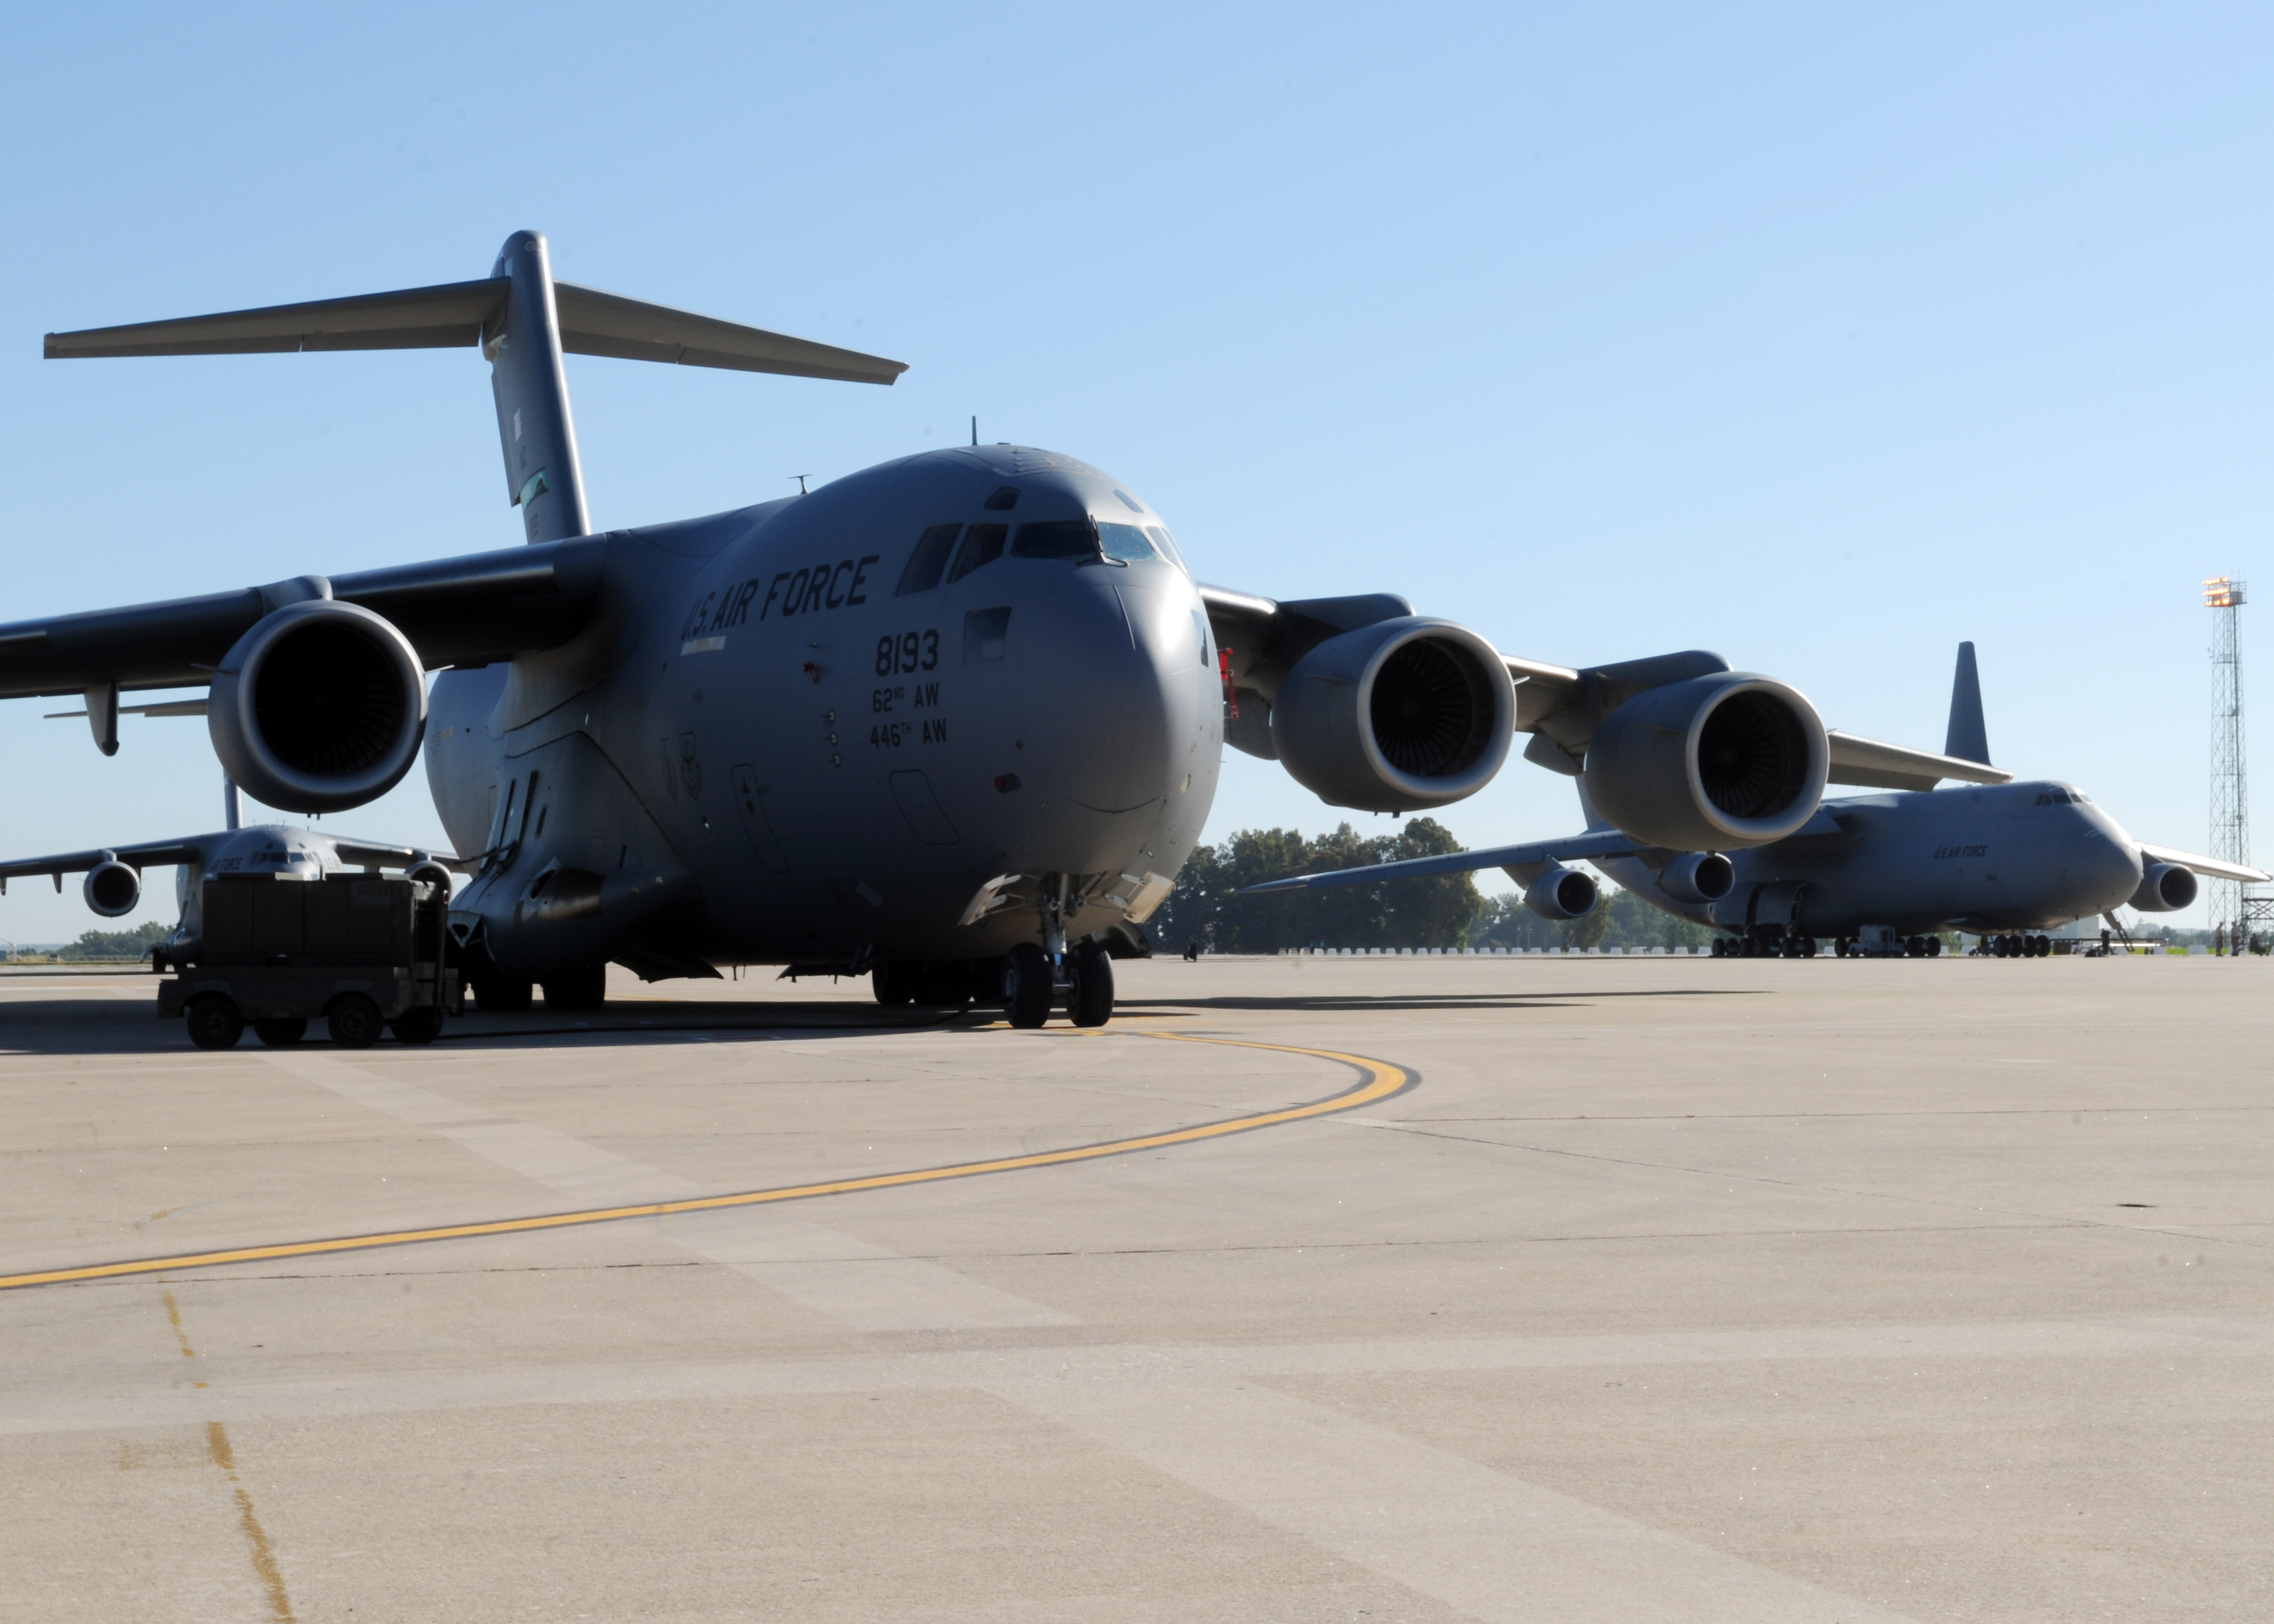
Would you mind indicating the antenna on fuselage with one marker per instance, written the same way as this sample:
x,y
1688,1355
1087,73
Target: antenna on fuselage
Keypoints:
x,y
800,483
974,428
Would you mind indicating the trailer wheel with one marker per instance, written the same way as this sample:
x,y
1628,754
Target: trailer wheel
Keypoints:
x,y
280,1034
213,1021
422,1025
353,1020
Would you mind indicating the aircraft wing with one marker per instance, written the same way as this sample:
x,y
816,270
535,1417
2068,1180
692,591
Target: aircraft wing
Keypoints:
x,y
1593,843
1875,765
480,607
2209,867
369,855
1262,638
150,854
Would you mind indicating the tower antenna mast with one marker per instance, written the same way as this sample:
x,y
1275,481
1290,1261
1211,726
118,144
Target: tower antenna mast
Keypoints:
x,y
2230,785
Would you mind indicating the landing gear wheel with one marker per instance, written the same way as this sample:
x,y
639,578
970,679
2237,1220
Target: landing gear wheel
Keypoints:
x,y
895,984
213,1021
577,990
353,1021
1090,1003
1934,947
422,1025
1808,947
280,1034
495,996
1026,986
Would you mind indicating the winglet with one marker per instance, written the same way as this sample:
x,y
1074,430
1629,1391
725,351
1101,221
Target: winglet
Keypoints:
x,y
1967,739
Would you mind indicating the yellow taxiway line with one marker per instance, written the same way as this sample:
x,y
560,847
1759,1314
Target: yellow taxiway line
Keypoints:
x,y
1378,1080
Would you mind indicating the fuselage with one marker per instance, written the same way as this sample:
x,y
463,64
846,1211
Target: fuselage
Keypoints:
x,y
2014,857
813,731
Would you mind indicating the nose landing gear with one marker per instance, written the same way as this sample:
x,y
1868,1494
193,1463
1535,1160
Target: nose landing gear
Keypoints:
x,y
1034,977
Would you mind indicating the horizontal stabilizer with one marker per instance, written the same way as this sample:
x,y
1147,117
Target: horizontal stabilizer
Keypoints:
x,y
451,315
2209,867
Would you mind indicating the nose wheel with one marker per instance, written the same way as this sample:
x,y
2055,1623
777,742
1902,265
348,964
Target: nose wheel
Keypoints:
x,y
1031,985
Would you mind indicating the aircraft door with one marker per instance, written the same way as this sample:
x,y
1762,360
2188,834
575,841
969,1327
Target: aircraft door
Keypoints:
x,y
750,808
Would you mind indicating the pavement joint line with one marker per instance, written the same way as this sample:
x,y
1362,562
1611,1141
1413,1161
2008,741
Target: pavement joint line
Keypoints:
x,y
1379,1080
2026,1220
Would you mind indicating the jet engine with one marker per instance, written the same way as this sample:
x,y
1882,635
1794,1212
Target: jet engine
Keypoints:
x,y
1396,716
319,707
1720,761
1697,877
1561,893
2164,888
111,888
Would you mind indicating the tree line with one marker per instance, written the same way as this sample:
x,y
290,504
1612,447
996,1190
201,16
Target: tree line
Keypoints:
x,y
1442,912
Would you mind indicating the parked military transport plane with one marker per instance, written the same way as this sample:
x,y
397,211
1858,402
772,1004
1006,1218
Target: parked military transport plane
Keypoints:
x,y
944,720
2004,861
113,886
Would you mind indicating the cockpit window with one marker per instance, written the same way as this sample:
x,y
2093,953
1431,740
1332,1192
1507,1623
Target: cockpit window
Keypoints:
x,y
1057,538
930,558
1126,543
1167,544
983,543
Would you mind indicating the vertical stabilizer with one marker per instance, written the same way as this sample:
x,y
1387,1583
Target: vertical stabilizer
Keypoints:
x,y
521,340
1968,739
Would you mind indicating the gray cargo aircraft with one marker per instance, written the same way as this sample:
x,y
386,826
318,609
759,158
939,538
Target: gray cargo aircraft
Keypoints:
x,y
2003,860
947,721
113,885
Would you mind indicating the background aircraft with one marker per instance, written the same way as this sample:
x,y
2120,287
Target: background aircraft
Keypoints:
x,y
2004,861
948,720
113,884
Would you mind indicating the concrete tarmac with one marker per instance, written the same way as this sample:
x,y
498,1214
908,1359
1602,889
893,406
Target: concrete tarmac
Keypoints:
x,y
1666,1290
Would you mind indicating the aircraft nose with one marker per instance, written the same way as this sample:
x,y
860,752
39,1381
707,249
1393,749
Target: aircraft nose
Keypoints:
x,y
2102,866
1124,653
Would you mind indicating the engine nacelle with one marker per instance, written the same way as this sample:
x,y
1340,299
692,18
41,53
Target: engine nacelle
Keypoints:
x,y
1561,893
431,873
112,889
2166,888
1697,877
319,707
1721,762
1396,716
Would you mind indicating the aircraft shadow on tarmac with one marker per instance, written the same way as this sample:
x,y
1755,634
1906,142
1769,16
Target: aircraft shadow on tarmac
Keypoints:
x,y
1403,1003
124,1023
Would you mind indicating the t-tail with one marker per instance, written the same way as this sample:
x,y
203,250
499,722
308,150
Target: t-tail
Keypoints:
x,y
524,322
1967,739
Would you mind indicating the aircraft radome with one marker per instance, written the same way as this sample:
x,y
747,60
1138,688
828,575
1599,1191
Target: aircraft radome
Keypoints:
x,y
1878,873
950,721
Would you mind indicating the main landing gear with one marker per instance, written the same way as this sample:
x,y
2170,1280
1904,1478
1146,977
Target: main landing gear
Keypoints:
x,y
1765,942
2017,946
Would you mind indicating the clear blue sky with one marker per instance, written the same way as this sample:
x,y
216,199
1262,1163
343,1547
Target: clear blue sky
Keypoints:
x,y
1823,337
